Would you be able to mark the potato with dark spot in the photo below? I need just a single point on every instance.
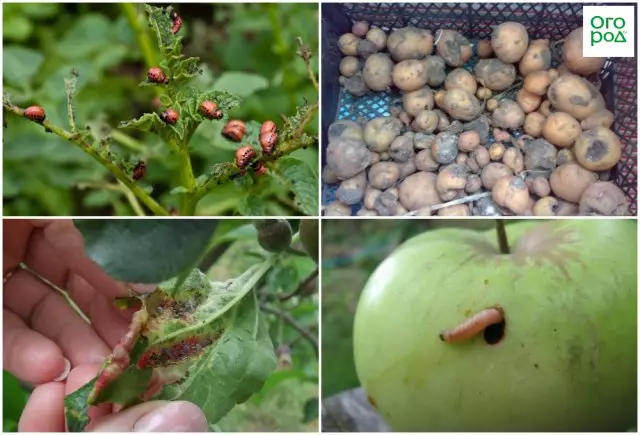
(481, 126)
(565, 156)
(377, 72)
(346, 130)
(576, 96)
(436, 70)
(472, 164)
(380, 132)
(547, 206)
(349, 65)
(407, 168)
(508, 115)
(401, 149)
(474, 184)
(356, 86)
(539, 155)
(454, 48)
(351, 190)
(348, 44)
(337, 208)
(512, 193)
(533, 123)
(378, 37)
(409, 75)
(492, 172)
(383, 175)
(360, 28)
(598, 149)
(366, 48)
(450, 180)
(561, 129)
(481, 156)
(416, 101)
(536, 58)
(424, 161)
(484, 49)
(604, 118)
(423, 141)
(387, 203)
(509, 41)
(573, 59)
(460, 78)
(328, 176)
(537, 82)
(425, 122)
(494, 74)
(603, 198)
(347, 157)
(455, 210)
(461, 105)
(528, 101)
(419, 190)
(469, 141)
(410, 43)
(514, 160)
(370, 196)
(445, 148)
(569, 181)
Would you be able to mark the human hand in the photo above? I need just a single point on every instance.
(49, 344)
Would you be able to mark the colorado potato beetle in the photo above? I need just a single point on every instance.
(234, 130)
(268, 127)
(35, 113)
(156, 75)
(268, 142)
(170, 116)
(244, 155)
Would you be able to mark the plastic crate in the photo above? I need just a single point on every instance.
(552, 21)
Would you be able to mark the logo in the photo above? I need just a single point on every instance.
(608, 31)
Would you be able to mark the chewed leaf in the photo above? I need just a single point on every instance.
(147, 122)
(303, 181)
(76, 406)
(160, 22)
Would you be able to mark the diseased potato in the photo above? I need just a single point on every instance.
(605, 199)
(407, 168)
(533, 124)
(509, 41)
(423, 141)
(508, 115)
(528, 101)
(604, 118)
(378, 37)
(377, 72)
(576, 96)
(573, 59)
(512, 193)
(484, 94)
(424, 161)
(416, 101)
(370, 196)
(545, 108)
(547, 206)
(537, 82)
(484, 49)
(347, 157)
(569, 181)
(360, 28)
(514, 160)
(349, 65)
(469, 141)
(409, 75)
(346, 130)
(561, 129)
(474, 184)
(598, 149)
(455, 210)
(565, 156)
(337, 208)
(496, 151)
(539, 155)
(454, 48)
(460, 78)
(410, 43)
(461, 105)
(536, 58)
(401, 149)
(450, 180)
(481, 156)
(436, 73)
(494, 74)
(445, 148)
(356, 86)
(328, 176)
(380, 132)
(492, 173)
(541, 186)
(348, 44)
(419, 190)
(351, 190)
(383, 175)
(472, 164)
(387, 203)
(366, 48)
(425, 122)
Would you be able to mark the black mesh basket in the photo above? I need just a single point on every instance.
(552, 21)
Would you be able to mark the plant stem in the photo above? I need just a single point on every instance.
(305, 54)
(117, 172)
(142, 36)
(294, 324)
(187, 179)
(503, 242)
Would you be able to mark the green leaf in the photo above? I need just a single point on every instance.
(241, 83)
(252, 205)
(14, 397)
(178, 190)
(20, 65)
(89, 34)
(16, 27)
(76, 407)
(146, 251)
(310, 410)
(303, 182)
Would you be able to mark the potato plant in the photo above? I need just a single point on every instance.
(505, 134)
(262, 150)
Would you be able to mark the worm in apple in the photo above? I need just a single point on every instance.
(473, 325)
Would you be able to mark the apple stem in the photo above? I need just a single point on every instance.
(503, 243)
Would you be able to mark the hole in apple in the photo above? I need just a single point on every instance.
(493, 334)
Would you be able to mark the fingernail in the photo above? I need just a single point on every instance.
(62, 376)
(173, 417)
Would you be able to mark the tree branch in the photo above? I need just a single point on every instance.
(301, 286)
(294, 324)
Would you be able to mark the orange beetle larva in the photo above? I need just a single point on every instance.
(473, 326)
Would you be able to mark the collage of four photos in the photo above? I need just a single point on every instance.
(320, 217)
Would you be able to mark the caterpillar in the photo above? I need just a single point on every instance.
(473, 325)
(177, 353)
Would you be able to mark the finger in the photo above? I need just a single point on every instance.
(79, 377)
(16, 233)
(45, 260)
(50, 314)
(158, 416)
(44, 411)
(27, 354)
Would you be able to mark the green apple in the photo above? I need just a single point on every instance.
(567, 356)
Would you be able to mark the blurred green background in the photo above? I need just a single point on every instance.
(351, 251)
(288, 401)
(247, 49)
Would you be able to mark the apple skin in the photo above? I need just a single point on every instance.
(568, 357)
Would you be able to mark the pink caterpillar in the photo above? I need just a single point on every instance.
(473, 325)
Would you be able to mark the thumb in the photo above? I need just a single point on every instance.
(157, 416)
